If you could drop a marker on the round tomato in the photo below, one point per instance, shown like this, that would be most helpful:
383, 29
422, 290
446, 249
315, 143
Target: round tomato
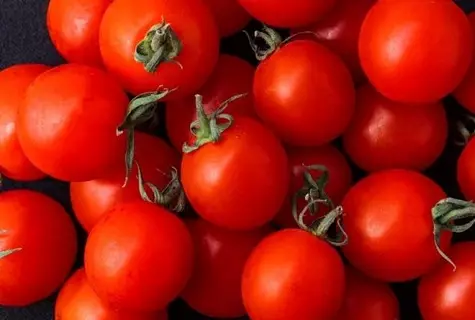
14, 82
38, 247
466, 171
151, 43
402, 44
139, 257
304, 93
67, 123
378, 137
388, 219
230, 16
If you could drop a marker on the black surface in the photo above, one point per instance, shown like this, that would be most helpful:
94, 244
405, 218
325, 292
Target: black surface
23, 38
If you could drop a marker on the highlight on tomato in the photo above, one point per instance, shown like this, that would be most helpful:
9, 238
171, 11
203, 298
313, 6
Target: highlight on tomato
230, 16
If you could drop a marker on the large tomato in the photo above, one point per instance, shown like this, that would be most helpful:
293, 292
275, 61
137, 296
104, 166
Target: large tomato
37, 249
151, 43
67, 123
385, 134
229, 15
466, 171
402, 44
14, 82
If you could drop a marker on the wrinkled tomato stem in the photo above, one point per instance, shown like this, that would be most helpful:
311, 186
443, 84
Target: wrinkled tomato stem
269, 37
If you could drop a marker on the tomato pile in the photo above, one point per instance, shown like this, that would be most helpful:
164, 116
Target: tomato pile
295, 185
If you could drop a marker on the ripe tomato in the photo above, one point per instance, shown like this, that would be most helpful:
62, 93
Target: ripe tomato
304, 93
292, 274
78, 301
13, 84
400, 49
43, 244
215, 286
184, 31
67, 123
378, 137
388, 219
466, 171
139, 257
230, 16
73, 27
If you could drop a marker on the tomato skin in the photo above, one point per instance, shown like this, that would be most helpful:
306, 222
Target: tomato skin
42, 228
466, 171
230, 16
388, 219
378, 139
292, 274
125, 24
398, 57
304, 93
14, 82
219, 87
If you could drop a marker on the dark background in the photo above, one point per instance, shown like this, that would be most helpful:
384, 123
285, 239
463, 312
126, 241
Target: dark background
24, 39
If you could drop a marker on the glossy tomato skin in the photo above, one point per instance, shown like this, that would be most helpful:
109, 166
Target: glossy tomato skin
14, 82
45, 233
94, 198
304, 93
241, 181
230, 16
398, 56
378, 137
67, 123
466, 171
139, 257
73, 27
78, 301
125, 24
231, 76
292, 274
388, 219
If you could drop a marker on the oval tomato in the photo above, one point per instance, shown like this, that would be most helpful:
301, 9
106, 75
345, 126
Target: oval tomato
378, 137
14, 82
230, 16
67, 123
38, 247
398, 56
466, 171
186, 31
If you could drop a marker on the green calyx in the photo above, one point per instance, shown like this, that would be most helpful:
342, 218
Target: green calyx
465, 129
270, 39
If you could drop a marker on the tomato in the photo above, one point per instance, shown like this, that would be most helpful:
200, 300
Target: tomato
378, 137
139, 257
94, 198
466, 171
404, 43
189, 42
14, 82
292, 274
304, 93
78, 301
67, 123
73, 27
42, 242
388, 219
215, 286
230, 16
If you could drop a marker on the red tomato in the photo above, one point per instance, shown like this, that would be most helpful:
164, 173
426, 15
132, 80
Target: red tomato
215, 286
378, 137
78, 301
388, 219
191, 40
13, 84
94, 198
43, 239
466, 171
292, 274
67, 123
339, 181
402, 44
139, 257
230, 16
74, 28
219, 87
304, 93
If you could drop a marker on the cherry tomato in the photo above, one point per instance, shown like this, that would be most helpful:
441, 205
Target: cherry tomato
378, 137
42, 242
186, 31
292, 274
230, 16
14, 82
402, 44
67, 123
139, 257
466, 171
388, 219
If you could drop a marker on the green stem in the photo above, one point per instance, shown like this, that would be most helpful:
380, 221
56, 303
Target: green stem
269, 37
6, 253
